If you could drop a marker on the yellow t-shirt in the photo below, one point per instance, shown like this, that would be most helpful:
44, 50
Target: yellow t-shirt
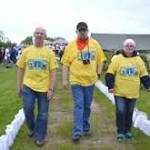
83, 74
127, 72
37, 63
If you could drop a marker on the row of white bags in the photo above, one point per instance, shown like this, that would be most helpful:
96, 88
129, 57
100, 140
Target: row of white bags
140, 119
11, 131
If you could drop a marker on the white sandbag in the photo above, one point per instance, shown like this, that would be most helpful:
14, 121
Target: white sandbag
145, 127
11, 131
3, 143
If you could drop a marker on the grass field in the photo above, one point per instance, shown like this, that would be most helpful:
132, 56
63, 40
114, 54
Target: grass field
9, 101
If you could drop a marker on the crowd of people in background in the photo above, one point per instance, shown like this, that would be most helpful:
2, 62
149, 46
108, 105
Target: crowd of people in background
58, 48
10, 55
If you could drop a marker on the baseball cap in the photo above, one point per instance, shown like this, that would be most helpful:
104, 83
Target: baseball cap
82, 26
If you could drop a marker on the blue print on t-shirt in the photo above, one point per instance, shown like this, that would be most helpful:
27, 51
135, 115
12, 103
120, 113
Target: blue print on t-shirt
37, 64
86, 55
128, 71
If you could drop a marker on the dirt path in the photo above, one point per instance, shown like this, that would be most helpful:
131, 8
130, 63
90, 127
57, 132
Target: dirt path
103, 131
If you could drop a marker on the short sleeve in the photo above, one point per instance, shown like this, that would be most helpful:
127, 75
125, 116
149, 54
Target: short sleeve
112, 68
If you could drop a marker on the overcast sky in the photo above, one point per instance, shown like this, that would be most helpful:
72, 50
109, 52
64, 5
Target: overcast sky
18, 18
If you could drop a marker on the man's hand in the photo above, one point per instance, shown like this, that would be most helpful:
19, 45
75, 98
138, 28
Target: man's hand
65, 84
50, 94
111, 90
65, 72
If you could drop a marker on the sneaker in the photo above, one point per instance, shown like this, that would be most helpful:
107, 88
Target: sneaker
76, 138
87, 133
121, 137
129, 136
39, 142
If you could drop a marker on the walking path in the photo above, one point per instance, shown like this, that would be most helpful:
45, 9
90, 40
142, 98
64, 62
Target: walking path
103, 131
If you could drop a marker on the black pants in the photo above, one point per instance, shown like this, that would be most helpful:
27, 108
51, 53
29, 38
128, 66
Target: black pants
124, 113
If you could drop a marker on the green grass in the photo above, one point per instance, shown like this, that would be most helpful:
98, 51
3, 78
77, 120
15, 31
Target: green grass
65, 129
143, 102
9, 101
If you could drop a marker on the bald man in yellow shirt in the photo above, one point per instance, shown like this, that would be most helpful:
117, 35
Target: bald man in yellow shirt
36, 76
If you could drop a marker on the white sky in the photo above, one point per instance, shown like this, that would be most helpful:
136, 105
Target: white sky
18, 18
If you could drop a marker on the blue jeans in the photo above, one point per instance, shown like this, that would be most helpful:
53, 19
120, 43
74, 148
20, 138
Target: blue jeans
37, 125
124, 113
82, 98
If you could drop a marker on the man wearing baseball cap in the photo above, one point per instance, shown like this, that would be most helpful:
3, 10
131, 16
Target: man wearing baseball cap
82, 63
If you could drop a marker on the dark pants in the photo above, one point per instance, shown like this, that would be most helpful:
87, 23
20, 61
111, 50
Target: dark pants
124, 113
38, 125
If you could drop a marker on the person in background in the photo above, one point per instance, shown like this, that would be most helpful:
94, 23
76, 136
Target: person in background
61, 51
83, 60
13, 54
1, 55
123, 77
36, 76
7, 60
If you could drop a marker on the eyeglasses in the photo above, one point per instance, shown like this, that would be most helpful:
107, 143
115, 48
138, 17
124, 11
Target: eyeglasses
129, 45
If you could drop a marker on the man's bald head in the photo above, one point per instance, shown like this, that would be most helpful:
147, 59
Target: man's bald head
39, 36
40, 30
